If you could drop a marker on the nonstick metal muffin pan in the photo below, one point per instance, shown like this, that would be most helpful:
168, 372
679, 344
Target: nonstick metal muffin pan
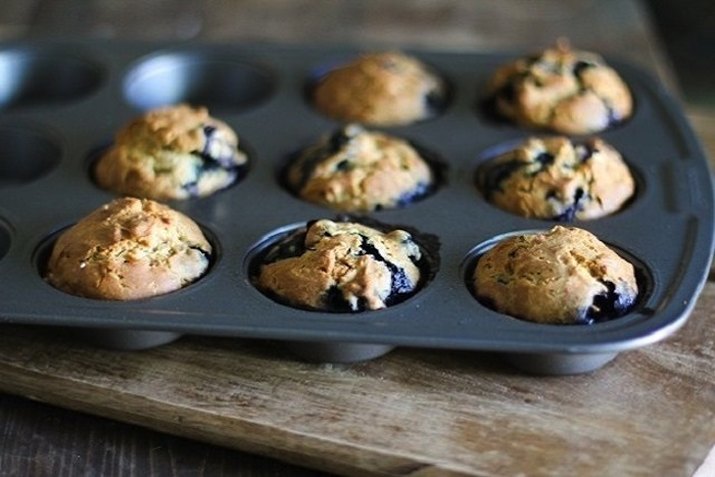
62, 102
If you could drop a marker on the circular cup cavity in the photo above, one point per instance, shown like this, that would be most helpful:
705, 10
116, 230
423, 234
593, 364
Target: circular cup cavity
485, 161
126, 340
322, 352
435, 162
5, 239
26, 155
559, 364
43, 251
643, 275
42, 78
436, 106
218, 83
428, 263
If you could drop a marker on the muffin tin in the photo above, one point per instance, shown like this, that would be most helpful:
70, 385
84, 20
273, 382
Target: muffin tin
61, 103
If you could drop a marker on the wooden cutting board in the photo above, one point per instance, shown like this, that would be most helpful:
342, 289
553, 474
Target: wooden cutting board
412, 412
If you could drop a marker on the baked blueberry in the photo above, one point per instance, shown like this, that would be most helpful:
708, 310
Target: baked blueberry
354, 170
564, 90
176, 152
556, 179
129, 249
563, 276
341, 267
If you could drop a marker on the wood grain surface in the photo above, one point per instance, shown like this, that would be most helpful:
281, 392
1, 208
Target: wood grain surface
412, 412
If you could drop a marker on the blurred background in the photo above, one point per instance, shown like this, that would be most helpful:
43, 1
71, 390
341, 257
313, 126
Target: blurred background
685, 28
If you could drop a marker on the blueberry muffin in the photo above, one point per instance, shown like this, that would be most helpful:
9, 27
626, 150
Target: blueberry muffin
557, 179
176, 152
380, 89
563, 90
341, 267
563, 276
129, 249
354, 170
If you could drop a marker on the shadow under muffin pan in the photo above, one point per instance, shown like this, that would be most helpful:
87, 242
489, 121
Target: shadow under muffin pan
258, 90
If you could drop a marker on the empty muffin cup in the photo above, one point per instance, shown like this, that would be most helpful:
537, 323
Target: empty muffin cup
27, 155
222, 84
45, 77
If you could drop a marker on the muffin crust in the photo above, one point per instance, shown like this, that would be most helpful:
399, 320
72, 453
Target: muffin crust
380, 89
557, 179
129, 249
171, 153
564, 276
341, 266
354, 170
563, 90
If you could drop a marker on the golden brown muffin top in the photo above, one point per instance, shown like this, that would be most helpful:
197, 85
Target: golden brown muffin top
383, 89
128, 249
344, 266
354, 170
567, 91
175, 152
556, 178
563, 276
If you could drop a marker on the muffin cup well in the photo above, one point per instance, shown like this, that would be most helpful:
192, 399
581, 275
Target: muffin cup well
27, 154
217, 82
336, 352
41, 77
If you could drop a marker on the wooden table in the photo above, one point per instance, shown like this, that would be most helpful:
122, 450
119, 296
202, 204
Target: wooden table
412, 412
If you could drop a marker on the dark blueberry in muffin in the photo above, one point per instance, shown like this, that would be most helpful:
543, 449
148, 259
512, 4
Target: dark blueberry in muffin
354, 170
556, 179
176, 152
564, 276
563, 90
342, 266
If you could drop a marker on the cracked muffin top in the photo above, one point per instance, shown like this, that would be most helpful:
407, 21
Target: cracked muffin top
129, 249
341, 267
354, 170
563, 276
177, 152
564, 90
380, 89
554, 178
